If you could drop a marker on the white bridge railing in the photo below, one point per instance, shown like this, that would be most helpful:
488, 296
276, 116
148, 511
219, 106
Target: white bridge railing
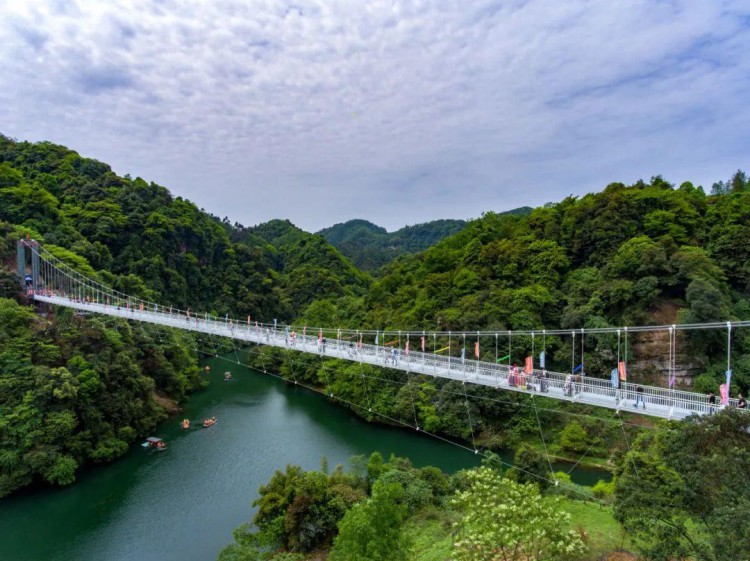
655, 402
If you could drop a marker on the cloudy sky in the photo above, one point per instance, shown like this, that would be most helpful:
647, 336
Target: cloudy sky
395, 111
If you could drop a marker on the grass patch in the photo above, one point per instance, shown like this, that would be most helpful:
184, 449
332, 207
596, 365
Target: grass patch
431, 532
604, 533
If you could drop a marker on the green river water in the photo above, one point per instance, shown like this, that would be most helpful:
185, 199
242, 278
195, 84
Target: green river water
182, 504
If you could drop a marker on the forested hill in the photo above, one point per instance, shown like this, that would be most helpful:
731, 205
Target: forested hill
148, 243
310, 268
370, 246
631, 254
74, 391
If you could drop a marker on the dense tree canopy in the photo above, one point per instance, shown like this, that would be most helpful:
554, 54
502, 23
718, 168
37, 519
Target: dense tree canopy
683, 494
641, 253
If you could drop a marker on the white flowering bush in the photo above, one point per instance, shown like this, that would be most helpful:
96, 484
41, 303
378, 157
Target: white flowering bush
506, 521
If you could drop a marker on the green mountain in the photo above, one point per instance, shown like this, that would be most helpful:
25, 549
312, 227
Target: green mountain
370, 246
647, 253
309, 267
76, 391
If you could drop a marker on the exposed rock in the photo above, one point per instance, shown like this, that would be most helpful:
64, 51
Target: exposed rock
169, 405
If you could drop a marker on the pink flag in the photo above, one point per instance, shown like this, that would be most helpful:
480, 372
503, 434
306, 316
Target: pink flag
622, 371
724, 393
422, 343
359, 345
304, 330
529, 365
406, 349
476, 349
320, 336
248, 320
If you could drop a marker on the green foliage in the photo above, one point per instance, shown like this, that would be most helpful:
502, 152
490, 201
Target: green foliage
502, 519
681, 492
373, 530
641, 253
374, 467
574, 438
414, 493
141, 240
529, 466
604, 490
370, 246
74, 391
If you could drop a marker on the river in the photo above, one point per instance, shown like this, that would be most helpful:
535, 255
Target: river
183, 503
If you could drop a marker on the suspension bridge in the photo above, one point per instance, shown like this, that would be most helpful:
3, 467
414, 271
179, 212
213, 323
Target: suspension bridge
49, 280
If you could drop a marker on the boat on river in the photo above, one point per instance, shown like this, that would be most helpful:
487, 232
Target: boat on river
185, 424
227, 376
209, 422
154, 443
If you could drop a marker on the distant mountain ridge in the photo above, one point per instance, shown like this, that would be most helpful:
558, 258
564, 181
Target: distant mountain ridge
370, 246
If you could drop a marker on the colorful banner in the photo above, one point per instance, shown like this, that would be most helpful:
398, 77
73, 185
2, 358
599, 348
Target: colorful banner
502, 358
443, 349
724, 393
622, 371
529, 365
614, 378
578, 368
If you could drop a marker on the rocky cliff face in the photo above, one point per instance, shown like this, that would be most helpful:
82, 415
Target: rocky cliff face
649, 359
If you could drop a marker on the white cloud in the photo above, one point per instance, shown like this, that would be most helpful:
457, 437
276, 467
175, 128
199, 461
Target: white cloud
399, 112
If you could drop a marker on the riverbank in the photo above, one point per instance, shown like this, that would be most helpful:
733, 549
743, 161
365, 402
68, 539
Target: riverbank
312, 513
182, 504
271, 361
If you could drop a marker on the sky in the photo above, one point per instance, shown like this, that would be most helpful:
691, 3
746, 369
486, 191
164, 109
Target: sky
398, 112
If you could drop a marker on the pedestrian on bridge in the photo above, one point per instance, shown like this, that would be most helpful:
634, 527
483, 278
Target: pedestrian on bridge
639, 397
568, 386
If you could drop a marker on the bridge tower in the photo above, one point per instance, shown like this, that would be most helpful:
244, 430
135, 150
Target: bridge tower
26, 256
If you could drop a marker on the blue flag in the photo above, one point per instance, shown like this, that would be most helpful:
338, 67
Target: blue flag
542, 360
614, 378
376, 339
463, 354
578, 368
